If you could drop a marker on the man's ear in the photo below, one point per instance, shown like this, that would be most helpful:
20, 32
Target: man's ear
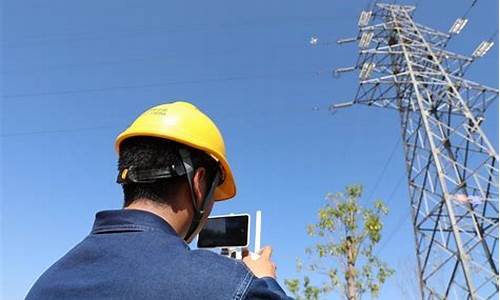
199, 185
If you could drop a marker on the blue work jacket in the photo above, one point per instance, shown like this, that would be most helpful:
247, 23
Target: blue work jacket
133, 254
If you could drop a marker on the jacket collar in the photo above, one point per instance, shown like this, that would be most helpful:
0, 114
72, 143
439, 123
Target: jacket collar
131, 219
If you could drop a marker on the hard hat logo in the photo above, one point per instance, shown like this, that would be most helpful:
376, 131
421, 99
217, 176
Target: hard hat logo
161, 111
184, 123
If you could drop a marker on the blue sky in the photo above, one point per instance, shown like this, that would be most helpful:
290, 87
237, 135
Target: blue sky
74, 74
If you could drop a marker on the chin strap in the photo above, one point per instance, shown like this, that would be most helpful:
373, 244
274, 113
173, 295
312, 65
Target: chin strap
133, 175
198, 212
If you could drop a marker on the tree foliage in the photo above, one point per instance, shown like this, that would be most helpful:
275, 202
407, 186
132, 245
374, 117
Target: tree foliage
346, 235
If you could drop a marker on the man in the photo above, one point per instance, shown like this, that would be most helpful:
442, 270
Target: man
172, 166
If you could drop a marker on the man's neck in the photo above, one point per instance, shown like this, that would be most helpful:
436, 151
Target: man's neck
176, 219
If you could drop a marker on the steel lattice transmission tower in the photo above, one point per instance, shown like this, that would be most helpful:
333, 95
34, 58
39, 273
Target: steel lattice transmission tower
451, 165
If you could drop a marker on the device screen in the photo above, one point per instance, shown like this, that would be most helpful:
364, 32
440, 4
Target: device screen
228, 231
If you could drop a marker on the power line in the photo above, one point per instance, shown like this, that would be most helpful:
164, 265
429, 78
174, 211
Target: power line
384, 169
142, 59
47, 39
151, 85
391, 195
393, 192
400, 221
289, 110
369, 4
469, 9
399, 225
55, 131
493, 35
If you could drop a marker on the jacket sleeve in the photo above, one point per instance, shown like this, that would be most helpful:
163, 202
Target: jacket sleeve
265, 289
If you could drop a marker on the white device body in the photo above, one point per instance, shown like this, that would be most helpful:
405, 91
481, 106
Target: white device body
237, 252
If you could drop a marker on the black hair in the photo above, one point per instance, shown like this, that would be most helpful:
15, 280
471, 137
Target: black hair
146, 153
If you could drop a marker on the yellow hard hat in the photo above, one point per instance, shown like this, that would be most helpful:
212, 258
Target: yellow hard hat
183, 123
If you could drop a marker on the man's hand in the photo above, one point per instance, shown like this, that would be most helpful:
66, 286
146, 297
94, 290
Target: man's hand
262, 266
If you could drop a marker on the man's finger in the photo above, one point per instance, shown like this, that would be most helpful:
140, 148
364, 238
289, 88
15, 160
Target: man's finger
266, 252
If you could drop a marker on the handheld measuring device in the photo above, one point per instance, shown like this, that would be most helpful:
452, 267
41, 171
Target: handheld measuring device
231, 234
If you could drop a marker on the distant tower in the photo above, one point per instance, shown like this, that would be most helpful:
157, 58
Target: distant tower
451, 165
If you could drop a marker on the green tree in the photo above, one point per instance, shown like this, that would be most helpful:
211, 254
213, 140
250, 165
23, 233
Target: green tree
346, 235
